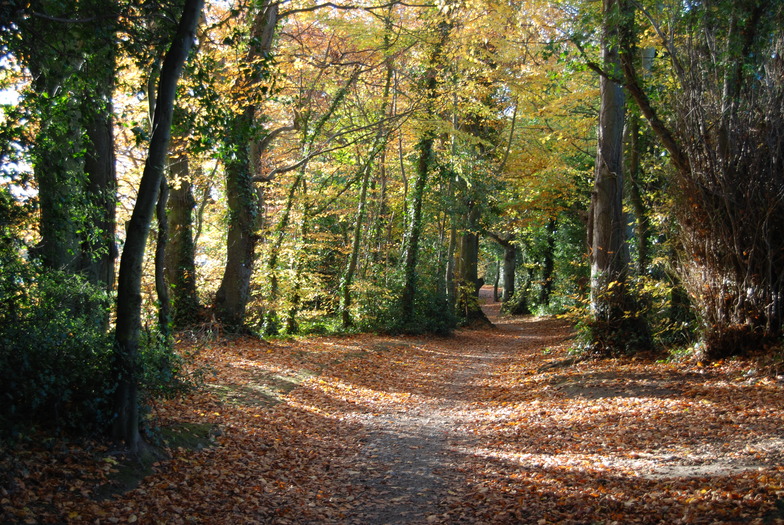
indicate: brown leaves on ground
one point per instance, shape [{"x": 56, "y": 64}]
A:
[{"x": 304, "y": 430}]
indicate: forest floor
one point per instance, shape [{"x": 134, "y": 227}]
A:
[{"x": 491, "y": 425}]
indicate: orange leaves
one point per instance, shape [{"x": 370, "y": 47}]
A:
[{"x": 465, "y": 429}]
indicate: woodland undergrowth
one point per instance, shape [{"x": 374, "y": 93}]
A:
[{"x": 276, "y": 437}]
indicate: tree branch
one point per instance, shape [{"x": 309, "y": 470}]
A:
[
  {"x": 666, "y": 42},
  {"x": 351, "y": 7}
]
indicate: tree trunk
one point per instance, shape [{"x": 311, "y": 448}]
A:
[
  {"x": 414, "y": 224},
  {"x": 497, "y": 281},
  {"x": 606, "y": 227},
  {"x": 416, "y": 193},
  {"x": 548, "y": 265},
  {"x": 243, "y": 203},
  {"x": 510, "y": 267},
  {"x": 181, "y": 248},
  {"x": 74, "y": 164},
  {"x": 243, "y": 198},
  {"x": 468, "y": 270},
  {"x": 161, "y": 286},
  {"x": 100, "y": 253},
  {"x": 129, "y": 298},
  {"x": 641, "y": 224}
]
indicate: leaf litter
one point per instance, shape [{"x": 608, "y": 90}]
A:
[{"x": 473, "y": 428}]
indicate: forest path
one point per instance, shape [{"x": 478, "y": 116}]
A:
[
  {"x": 486, "y": 426},
  {"x": 412, "y": 462}
]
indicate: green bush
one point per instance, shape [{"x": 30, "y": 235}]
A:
[
  {"x": 55, "y": 352},
  {"x": 165, "y": 374}
]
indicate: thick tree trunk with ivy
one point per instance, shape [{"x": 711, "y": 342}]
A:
[
  {"x": 243, "y": 203},
  {"x": 414, "y": 227},
  {"x": 245, "y": 145},
  {"x": 99, "y": 250},
  {"x": 74, "y": 164},
  {"x": 129, "y": 297},
  {"x": 425, "y": 158}
]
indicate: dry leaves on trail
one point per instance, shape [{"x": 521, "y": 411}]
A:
[{"x": 299, "y": 429}]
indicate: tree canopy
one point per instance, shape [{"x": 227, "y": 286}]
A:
[{"x": 368, "y": 166}]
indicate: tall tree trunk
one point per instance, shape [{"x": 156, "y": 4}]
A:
[
  {"x": 100, "y": 251},
  {"x": 161, "y": 286},
  {"x": 416, "y": 193},
  {"x": 510, "y": 266},
  {"x": 241, "y": 194},
  {"x": 468, "y": 270},
  {"x": 414, "y": 224},
  {"x": 449, "y": 277},
  {"x": 641, "y": 223},
  {"x": 243, "y": 203},
  {"x": 129, "y": 297},
  {"x": 181, "y": 248},
  {"x": 497, "y": 281},
  {"x": 74, "y": 164},
  {"x": 548, "y": 265},
  {"x": 608, "y": 252}
]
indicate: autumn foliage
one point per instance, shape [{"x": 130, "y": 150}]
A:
[{"x": 497, "y": 425}]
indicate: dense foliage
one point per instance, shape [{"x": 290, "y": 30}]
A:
[{"x": 368, "y": 167}]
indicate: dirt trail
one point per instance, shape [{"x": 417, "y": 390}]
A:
[
  {"x": 412, "y": 463},
  {"x": 474, "y": 428}
]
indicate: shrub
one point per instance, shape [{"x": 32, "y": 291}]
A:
[{"x": 55, "y": 352}]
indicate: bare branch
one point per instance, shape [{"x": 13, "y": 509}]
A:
[{"x": 351, "y": 7}]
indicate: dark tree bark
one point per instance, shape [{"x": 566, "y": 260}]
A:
[
  {"x": 74, "y": 164},
  {"x": 100, "y": 251},
  {"x": 414, "y": 224},
  {"x": 510, "y": 267},
  {"x": 467, "y": 270},
  {"x": 242, "y": 195},
  {"x": 497, "y": 281},
  {"x": 548, "y": 265},
  {"x": 161, "y": 286},
  {"x": 129, "y": 298},
  {"x": 181, "y": 248}
]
